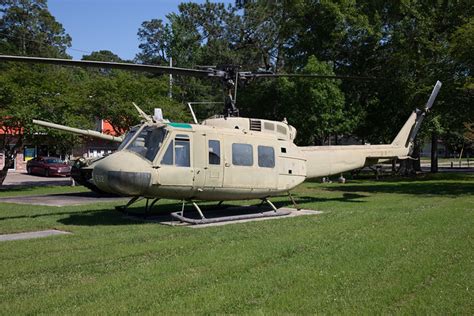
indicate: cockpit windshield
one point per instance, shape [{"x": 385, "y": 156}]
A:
[
  {"x": 128, "y": 137},
  {"x": 147, "y": 143}
]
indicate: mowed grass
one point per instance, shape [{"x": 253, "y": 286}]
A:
[{"x": 390, "y": 246}]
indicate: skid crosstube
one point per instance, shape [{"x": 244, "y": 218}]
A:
[{"x": 204, "y": 220}]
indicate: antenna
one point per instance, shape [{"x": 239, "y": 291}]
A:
[
  {"x": 142, "y": 114},
  {"x": 190, "y": 106}
]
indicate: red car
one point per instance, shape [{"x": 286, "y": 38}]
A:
[{"x": 48, "y": 166}]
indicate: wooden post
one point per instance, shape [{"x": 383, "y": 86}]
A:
[{"x": 434, "y": 152}]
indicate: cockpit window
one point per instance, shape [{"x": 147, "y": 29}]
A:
[
  {"x": 148, "y": 142},
  {"x": 127, "y": 138}
]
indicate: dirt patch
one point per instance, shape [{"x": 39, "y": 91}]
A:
[
  {"x": 63, "y": 199},
  {"x": 31, "y": 235}
]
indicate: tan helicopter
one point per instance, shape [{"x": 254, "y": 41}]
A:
[{"x": 225, "y": 157}]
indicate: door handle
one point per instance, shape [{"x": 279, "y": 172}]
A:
[{"x": 227, "y": 164}]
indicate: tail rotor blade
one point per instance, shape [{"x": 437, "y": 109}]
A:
[{"x": 433, "y": 95}]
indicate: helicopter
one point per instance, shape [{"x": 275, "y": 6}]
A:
[{"x": 225, "y": 157}]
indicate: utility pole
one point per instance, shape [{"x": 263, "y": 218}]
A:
[{"x": 170, "y": 92}]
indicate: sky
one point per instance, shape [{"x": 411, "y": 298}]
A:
[{"x": 109, "y": 24}]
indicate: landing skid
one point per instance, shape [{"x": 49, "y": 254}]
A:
[
  {"x": 203, "y": 220},
  {"x": 148, "y": 206}
]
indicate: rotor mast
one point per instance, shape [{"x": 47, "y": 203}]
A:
[{"x": 229, "y": 82}]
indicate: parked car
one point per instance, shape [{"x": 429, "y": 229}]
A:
[{"x": 48, "y": 166}]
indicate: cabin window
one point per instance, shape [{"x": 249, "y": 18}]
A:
[
  {"x": 168, "y": 156},
  {"x": 281, "y": 129},
  {"x": 242, "y": 155},
  {"x": 266, "y": 157},
  {"x": 180, "y": 147},
  {"x": 182, "y": 152},
  {"x": 214, "y": 152},
  {"x": 269, "y": 126}
]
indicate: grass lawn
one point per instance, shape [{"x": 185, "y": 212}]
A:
[{"x": 390, "y": 246}]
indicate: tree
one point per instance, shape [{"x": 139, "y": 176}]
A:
[
  {"x": 315, "y": 107},
  {"x": 462, "y": 46},
  {"x": 110, "y": 97},
  {"x": 156, "y": 40},
  {"x": 103, "y": 55},
  {"x": 27, "y": 28},
  {"x": 38, "y": 92}
]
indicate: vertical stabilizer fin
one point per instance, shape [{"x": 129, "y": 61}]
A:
[{"x": 406, "y": 131}]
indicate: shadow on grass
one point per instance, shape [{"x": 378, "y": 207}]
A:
[
  {"x": 346, "y": 197},
  {"x": 45, "y": 215},
  {"x": 132, "y": 216},
  {"x": 16, "y": 188},
  {"x": 106, "y": 217},
  {"x": 161, "y": 212},
  {"x": 416, "y": 188},
  {"x": 368, "y": 176}
]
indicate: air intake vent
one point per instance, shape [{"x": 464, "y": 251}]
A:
[{"x": 255, "y": 125}]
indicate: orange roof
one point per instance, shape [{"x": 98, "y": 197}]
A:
[
  {"x": 107, "y": 128},
  {"x": 11, "y": 131}
]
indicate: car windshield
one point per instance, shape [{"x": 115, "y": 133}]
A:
[
  {"x": 53, "y": 160},
  {"x": 148, "y": 142}
]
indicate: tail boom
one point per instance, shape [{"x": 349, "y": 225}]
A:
[{"x": 327, "y": 160}]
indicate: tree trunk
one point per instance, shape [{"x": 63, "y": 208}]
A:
[
  {"x": 406, "y": 167},
  {"x": 416, "y": 155},
  {"x": 434, "y": 152},
  {"x": 9, "y": 153},
  {"x": 4, "y": 171},
  {"x": 410, "y": 166},
  {"x": 3, "y": 175}
]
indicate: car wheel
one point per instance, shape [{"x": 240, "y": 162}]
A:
[
  {"x": 46, "y": 172},
  {"x": 28, "y": 170}
]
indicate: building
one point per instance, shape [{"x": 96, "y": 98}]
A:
[{"x": 90, "y": 147}]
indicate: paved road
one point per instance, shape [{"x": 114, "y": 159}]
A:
[
  {"x": 62, "y": 199},
  {"x": 16, "y": 179},
  {"x": 24, "y": 179}
]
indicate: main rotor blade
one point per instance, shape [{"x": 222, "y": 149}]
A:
[
  {"x": 316, "y": 76},
  {"x": 111, "y": 65}
]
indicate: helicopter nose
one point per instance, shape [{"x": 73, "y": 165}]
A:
[{"x": 123, "y": 173}]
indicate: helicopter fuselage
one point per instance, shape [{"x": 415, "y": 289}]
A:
[
  {"x": 230, "y": 158},
  {"x": 220, "y": 159}
]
